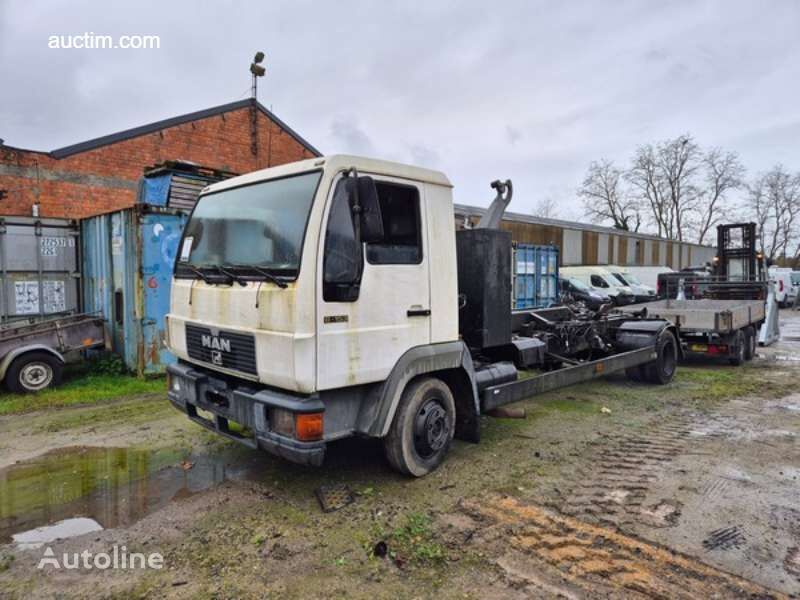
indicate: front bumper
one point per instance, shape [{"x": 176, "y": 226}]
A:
[
  {"x": 245, "y": 404},
  {"x": 624, "y": 299}
]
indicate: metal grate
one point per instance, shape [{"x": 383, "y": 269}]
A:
[
  {"x": 334, "y": 497},
  {"x": 183, "y": 191},
  {"x": 226, "y": 349}
]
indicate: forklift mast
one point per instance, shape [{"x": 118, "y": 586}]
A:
[{"x": 737, "y": 253}]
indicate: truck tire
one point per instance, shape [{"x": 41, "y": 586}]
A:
[
  {"x": 33, "y": 372},
  {"x": 423, "y": 427},
  {"x": 739, "y": 349},
  {"x": 749, "y": 343},
  {"x": 662, "y": 369}
]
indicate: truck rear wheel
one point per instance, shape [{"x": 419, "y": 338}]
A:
[
  {"x": 423, "y": 427},
  {"x": 749, "y": 343},
  {"x": 33, "y": 372},
  {"x": 739, "y": 349},
  {"x": 662, "y": 369}
]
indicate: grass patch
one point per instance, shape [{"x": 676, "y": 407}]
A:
[
  {"x": 129, "y": 413},
  {"x": 86, "y": 389},
  {"x": 413, "y": 541}
]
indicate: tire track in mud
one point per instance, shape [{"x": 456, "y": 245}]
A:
[
  {"x": 541, "y": 551},
  {"x": 612, "y": 490}
]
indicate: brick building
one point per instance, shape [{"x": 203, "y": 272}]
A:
[{"x": 102, "y": 174}]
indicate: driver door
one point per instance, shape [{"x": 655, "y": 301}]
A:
[{"x": 360, "y": 340}]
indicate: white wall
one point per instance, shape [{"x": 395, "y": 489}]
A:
[
  {"x": 602, "y": 249},
  {"x": 573, "y": 247}
]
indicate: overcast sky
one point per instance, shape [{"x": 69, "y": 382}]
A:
[{"x": 531, "y": 91}]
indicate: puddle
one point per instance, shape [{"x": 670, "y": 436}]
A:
[
  {"x": 73, "y": 491},
  {"x": 36, "y": 538}
]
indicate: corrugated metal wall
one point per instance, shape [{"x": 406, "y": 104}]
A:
[
  {"x": 39, "y": 268},
  {"x": 128, "y": 260}
]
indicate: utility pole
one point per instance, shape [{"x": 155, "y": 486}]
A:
[{"x": 257, "y": 70}]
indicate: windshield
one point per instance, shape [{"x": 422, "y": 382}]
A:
[
  {"x": 620, "y": 279},
  {"x": 796, "y": 278},
  {"x": 631, "y": 279},
  {"x": 259, "y": 225},
  {"x": 579, "y": 285},
  {"x": 628, "y": 278}
]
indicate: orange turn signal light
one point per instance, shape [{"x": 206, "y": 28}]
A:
[{"x": 308, "y": 427}]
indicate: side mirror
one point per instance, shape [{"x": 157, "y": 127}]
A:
[{"x": 363, "y": 193}]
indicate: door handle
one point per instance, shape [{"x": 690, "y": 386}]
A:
[{"x": 418, "y": 312}]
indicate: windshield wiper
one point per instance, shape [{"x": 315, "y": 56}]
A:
[
  {"x": 197, "y": 272},
  {"x": 265, "y": 274},
  {"x": 232, "y": 275}
]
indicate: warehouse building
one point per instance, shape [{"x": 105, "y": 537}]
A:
[
  {"x": 586, "y": 244},
  {"x": 103, "y": 174}
]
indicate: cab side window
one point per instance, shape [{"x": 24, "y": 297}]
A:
[
  {"x": 402, "y": 239},
  {"x": 598, "y": 281}
]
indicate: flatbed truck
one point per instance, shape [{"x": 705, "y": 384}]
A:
[{"x": 332, "y": 297}]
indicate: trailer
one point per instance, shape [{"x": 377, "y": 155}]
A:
[
  {"x": 33, "y": 354},
  {"x": 715, "y": 328}
]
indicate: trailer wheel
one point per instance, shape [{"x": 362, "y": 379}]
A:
[
  {"x": 739, "y": 349},
  {"x": 423, "y": 427},
  {"x": 749, "y": 343},
  {"x": 662, "y": 369},
  {"x": 33, "y": 372}
]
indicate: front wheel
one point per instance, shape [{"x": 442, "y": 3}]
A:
[
  {"x": 423, "y": 427},
  {"x": 33, "y": 372},
  {"x": 662, "y": 369}
]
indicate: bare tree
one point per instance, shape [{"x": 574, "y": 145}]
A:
[
  {"x": 774, "y": 203},
  {"x": 664, "y": 176},
  {"x": 546, "y": 208},
  {"x": 606, "y": 199},
  {"x": 645, "y": 177},
  {"x": 723, "y": 172}
]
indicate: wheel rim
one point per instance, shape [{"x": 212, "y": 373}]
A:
[
  {"x": 36, "y": 376},
  {"x": 431, "y": 428}
]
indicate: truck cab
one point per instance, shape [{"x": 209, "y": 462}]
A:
[
  {"x": 274, "y": 309},
  {"x": 329, "y": 298}
]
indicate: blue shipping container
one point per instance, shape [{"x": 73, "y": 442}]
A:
[
  {"x": 535, "y": 276},
  {"x": 128, "y": 256}
]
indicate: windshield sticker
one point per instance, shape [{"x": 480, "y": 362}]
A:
[{"x": 186, "y": 249}]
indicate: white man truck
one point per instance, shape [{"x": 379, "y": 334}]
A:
[{"x": 332, "y": 297}]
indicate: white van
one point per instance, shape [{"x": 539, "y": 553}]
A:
[
  {"x": 641, "y": 291},
  {"x": 647, "y": 275},
  {"x": 601, "y": 279},
  {"x": 785, "y": 291}
]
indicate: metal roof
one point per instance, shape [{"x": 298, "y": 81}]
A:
[
  {"x": 179, "y": 120},
  {"x": 465, "y": 210}
]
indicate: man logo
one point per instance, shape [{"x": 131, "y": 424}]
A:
[
  {"x": 216, "y": 358},
  {"x": 215, "y": 343}
]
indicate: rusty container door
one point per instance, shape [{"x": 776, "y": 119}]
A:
[{"x": 160, "y": 234}]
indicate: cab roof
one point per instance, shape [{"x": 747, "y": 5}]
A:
[{"x": 335, "y": 163}]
